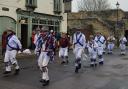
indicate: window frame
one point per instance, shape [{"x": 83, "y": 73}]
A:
[
  {"x": 57, "y": 6},
  {"x": 31, "y": 3}
]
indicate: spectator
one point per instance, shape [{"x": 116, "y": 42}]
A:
[
  {"x": 32, "y": 39},
  {"x": 4, "y": 37}
]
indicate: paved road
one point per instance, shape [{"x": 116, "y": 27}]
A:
[{"x": 113, "y": 75}]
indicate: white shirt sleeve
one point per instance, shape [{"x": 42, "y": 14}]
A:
[
  {"x": 125, "y": 39},
  {"x": 74, "y": 39},
  {"x": 35, "y": 39},
  {"x": 114, "y": 38},
  {"x": 95, "y": 44},
  {"x": 15, "y": 38},
  {"x": 84, "y": 41}
]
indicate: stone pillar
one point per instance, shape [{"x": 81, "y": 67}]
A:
[{"x": 29, "y": 30}]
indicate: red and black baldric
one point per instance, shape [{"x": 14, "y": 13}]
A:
[{"x": 50, "y": 43}]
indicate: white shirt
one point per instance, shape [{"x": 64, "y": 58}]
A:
[
  {"x": 13, "y": 41},
  {"x": 100, "y": 40},
  {"x": 111, "y": 39},
  {"x": 35, "y": 38},
  {"x": 92, "y": 45},
  {"x": 123, "y": 40},
  {"x": 82, "y": 40}
]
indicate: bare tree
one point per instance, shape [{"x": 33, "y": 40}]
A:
[{"x": 93, "y": 5}]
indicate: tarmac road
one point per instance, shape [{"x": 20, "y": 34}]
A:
[{"x": 112, "y": 75}]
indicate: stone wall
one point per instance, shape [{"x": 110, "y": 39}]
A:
[
  {"x": 103, "y": 21},
  {"x": 82, "y": 21}
]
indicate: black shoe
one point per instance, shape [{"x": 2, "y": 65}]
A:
[
  {"x": 95, "y": 65},
  {"x": 17, "y": 71},
  {"x": 108, "y": 52},
  {"x": 123, "y": 54},
  {"x": 63, "y": 62},
  {"x": 67, "y": 61},
  {"x": 42, "y": 80},
  {"x": 76, "y": 70},
  {"x": 101, "y": 63},
  {"x": 46, "y": 82},
  {"x": 7, "y": 72},
  {"x": 91, "y": 65},
  {"x": 79, "y": 66}
]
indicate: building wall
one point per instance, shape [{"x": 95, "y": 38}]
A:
[
  {"x": 12, "y": 5},
  {"x": 64, "y": 23},
  {"x": 43, "y": 7}
]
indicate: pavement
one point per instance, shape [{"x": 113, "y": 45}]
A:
[
  {"x": 112, "y": 75},
  {"x": 20, "y": 55}
]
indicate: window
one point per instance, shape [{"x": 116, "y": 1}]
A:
[
  {"x": 31, "y": 3},
  {"x": 35, "y": 21},
  {"x": 56, "y": 23},
  {"x": 57, "y": 6},
  {"x": 67, "y": 7},
  {"x": 67, "y": 0},
  {"x": 42, "y": 21},
  {"x": 50, "y": 22}
]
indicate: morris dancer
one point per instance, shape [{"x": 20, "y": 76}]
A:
[
  {"x": 45, "y": 56},
  {"x": 37, "y": 42},
  {"x": 63, "y": 51},
  {"x": 123, "y": 42},
  {"x": 79, "y": 43},
  {"x": 111, "y": 40},
  {"x": 92, "y": 49},
  {"x": 13, "y": 45},
  {"x": 100, "y": 41}
]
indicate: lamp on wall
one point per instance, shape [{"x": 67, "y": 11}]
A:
[
  {"x": 117, "y": 6},
  {"x": 117, "y": 24}
]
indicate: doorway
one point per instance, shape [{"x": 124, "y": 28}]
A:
[
  {"x": 126, "y": 34},
  {"x": 24, "y": 35}
]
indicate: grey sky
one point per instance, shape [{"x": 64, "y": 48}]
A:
[{"x": 123, "y": 4}]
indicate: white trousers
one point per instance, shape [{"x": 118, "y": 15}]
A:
[
  {"x": 10, "y": 59},
  {"x": 63, "y": 52},
  {"x": 100, "y": 53},
  {"x": 42, "y": 63},
  {"x": 37, "y": 52},
  {"x": 104, "y": 47},
  {"x": 123, "y": 48},
  {"x": 110, "y": 47},
  {"x": 78, "y": 55},
  {"x": 78, "y": 52},
  {"x": 92, "y": 53}
]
